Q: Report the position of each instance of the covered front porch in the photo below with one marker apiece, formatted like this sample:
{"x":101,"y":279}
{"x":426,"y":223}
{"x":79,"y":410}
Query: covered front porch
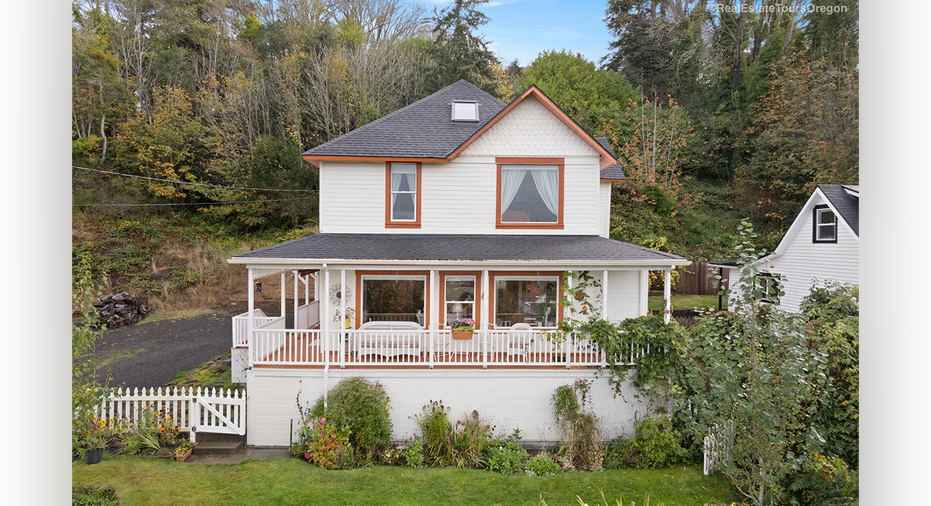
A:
{"x":506,"y":336}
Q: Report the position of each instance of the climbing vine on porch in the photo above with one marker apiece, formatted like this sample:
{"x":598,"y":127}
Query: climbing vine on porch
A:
{"x":644,"y":349}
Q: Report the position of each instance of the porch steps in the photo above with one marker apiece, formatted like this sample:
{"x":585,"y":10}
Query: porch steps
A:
{"x":218,"y":444}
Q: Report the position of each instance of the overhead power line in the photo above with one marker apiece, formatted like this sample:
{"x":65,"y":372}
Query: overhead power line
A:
{"x":190,"y":203}
{"x":191,"y":183}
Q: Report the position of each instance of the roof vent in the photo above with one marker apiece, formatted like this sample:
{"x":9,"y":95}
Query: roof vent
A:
{"x":465,"y":110}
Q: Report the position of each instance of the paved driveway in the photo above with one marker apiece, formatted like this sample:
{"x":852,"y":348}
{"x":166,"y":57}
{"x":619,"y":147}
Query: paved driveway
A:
{"x":150,"y":354}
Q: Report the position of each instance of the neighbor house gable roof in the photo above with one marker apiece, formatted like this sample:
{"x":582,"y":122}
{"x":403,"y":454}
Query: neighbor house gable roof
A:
{"x":424,"y":132}
{"x":475,"y":248}
{"x":845,"y":206}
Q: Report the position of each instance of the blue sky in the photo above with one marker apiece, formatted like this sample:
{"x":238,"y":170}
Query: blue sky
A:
{"x":522,"y":29}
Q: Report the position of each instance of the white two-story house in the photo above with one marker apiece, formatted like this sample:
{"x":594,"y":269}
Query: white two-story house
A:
{"x":458,"y":206}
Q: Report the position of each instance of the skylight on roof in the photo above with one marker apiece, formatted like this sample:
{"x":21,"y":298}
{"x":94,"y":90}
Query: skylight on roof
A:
{"x":465,"y":111}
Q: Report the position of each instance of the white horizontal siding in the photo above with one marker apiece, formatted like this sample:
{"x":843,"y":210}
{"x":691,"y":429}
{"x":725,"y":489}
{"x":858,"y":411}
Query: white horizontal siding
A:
{"x":272,"y":407}
{"x":804,"y":261}
{"x":352,"y":197}
{"x":604,"y":208}
{"x":507,"y":399}
{"x":460,"y":196}
{"x":624,"y":294}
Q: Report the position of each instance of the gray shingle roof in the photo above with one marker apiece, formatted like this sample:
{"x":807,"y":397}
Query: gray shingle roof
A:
{"x":456,"y":247}
{"x":423,"y":129}
{"x":613,"y":172}
{"x":847,"y":205}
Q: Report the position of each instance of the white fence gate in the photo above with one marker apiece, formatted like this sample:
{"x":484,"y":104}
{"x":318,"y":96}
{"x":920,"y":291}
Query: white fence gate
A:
{"x":219,"y":413}
{"x":193,"y":410}
{"x":717,"y":446}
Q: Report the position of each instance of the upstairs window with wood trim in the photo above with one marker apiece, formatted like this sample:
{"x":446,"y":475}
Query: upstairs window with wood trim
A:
{"x":530,"y":192}
{"x":825,"y":225}
{"x":402,"y":195}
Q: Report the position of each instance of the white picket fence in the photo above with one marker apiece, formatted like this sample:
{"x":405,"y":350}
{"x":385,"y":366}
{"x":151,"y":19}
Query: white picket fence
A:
{"x":717,"y":446}
{"x":193,"y":410}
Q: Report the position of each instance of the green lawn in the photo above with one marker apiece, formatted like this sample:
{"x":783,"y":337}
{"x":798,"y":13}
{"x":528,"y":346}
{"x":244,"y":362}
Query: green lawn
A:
{"x":686,"y":302}
{"x":153,"y":481}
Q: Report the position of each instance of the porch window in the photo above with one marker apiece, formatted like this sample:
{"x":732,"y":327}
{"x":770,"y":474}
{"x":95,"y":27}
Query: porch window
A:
{"x":394,"y":298}
{"x":402,"y":200}
{"x":825,"y":228}
{"x":530,"y":192}
{"x":529,"y":300}
{"x":460,"y":298}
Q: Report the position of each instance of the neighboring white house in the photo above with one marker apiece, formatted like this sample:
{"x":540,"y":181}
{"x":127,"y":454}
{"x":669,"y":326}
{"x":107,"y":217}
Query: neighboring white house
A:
{"x":456,"y":206}
{"x":823,"y":244}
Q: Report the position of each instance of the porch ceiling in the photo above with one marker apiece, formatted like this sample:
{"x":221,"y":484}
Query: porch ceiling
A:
{"x":454,"y":248}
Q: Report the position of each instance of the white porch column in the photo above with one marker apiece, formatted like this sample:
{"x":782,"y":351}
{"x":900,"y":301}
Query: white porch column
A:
{"x":283,"y":298}
{"x":342,"y":317}
{"x":325,"y":317}
{"x":250,"y":323}
{"x":667,"y":295}
{"x":295,"y":273}
{"x":316,"y":277}
{"x":434,"y":312}
{"x":486,"y":303}
{"x":604,"y":295}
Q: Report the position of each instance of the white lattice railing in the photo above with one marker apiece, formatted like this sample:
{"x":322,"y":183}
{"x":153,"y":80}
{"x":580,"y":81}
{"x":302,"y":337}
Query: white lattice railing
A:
{"x":174,"y":404}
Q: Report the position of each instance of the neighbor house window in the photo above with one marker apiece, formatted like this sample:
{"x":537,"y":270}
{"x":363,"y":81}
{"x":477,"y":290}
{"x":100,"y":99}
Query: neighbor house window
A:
{"x":530,"y":300}
{"x":530,"y":192}
{"x":394,"y":298}
{"x":459,"y":292}
{"x":402,"y":199}
{"x":769,"y":286}
{"x":825,"y":227}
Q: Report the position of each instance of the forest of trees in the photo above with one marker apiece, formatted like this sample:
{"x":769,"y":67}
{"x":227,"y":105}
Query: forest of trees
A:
{"x":760,"y":98}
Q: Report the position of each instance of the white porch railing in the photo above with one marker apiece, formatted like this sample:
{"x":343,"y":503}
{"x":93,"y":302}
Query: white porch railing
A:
{"x":241,"y":326}
{"x":308,"y":315}
{"x":400,"y":348}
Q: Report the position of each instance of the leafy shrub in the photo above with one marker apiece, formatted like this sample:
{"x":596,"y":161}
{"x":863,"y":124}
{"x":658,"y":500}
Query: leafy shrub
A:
{"x":823,"y":480}
{"x":361,"y":407}
{"x":413,"y":455}
{"x":462,"y":445}
{"x":93,"y":496}
{"x":658,"y":444}
{"x":434,"y":425}
{"x":621,"y":454}
{"x":543,"y":465}
{"x":583,"y":447}
{"x":326,"y":446}
{"x":507,"y":458}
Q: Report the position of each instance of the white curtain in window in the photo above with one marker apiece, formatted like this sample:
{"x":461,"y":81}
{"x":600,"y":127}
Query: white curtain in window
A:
{"x":510,"y":183}
{"x":547,"y":182}
{"x":395,"y":186}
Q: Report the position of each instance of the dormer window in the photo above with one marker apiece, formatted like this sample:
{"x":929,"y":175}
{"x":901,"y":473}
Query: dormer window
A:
{"x":465,"y":111}
{"x":825,"y":225}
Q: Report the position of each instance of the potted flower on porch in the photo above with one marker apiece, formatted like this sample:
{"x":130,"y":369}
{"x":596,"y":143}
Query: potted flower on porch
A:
{"x":463,"y":329}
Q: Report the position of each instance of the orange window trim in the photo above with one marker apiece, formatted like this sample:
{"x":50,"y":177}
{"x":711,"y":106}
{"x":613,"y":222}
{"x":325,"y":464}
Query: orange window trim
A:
{"x":561,"y":162}
{"x":402,"y":224}
{"x":494,"y":291}
{"x":477,"y":299}
{"x":426,"y":290}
